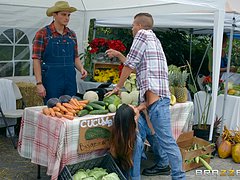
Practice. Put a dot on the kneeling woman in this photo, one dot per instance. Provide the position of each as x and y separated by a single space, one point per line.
126 144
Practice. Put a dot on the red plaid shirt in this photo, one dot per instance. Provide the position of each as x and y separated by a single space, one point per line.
40 41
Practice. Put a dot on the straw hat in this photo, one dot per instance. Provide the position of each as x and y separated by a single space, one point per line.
60 6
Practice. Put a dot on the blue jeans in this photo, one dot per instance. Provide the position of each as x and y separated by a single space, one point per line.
161 158
163 144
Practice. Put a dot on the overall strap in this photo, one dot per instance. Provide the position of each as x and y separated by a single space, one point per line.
48 37
49 33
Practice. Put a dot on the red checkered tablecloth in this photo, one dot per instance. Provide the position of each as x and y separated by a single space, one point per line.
53 142
50 141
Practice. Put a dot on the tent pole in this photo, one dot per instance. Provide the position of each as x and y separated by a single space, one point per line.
190 53
217 47
228 70
94 28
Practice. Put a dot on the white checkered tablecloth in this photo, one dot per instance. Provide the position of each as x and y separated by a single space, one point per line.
181 118
53 142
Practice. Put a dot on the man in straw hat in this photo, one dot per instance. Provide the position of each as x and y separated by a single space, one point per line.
55 55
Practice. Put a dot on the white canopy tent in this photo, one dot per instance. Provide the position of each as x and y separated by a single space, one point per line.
199 22
28 16
31 15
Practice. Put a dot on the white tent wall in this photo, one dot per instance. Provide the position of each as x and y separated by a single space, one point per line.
34 18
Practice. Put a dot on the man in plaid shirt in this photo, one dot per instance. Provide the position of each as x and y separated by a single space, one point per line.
55 55
146 56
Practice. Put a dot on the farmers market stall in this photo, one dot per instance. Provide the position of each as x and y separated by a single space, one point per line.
232 77
54 142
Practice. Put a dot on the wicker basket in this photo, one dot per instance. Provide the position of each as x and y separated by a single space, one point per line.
105 162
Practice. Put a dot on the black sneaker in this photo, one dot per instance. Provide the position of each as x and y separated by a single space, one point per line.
156 170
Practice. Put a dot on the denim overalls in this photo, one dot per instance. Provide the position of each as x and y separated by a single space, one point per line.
58 71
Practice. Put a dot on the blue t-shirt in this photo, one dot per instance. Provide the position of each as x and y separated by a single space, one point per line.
224 61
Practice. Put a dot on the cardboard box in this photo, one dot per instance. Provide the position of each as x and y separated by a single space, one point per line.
185 141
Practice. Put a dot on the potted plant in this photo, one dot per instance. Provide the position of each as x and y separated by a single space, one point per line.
202 128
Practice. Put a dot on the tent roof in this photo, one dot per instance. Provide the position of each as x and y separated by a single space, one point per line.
197 21
30 15
92 5
194 19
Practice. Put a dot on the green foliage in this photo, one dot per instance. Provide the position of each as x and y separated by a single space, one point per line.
236 53
199 46
175 45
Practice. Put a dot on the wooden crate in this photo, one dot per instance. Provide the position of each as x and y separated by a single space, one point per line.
185 141
102 65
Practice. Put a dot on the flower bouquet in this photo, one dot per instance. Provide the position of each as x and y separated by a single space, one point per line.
207 84
98 46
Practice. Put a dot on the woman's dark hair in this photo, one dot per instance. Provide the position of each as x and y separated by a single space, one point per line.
124 136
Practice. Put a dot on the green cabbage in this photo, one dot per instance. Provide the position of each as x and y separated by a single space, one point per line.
134 95
126 98
113 99
80 175
111 176
89 178
95 174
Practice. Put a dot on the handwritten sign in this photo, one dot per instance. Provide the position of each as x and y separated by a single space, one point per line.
95 134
